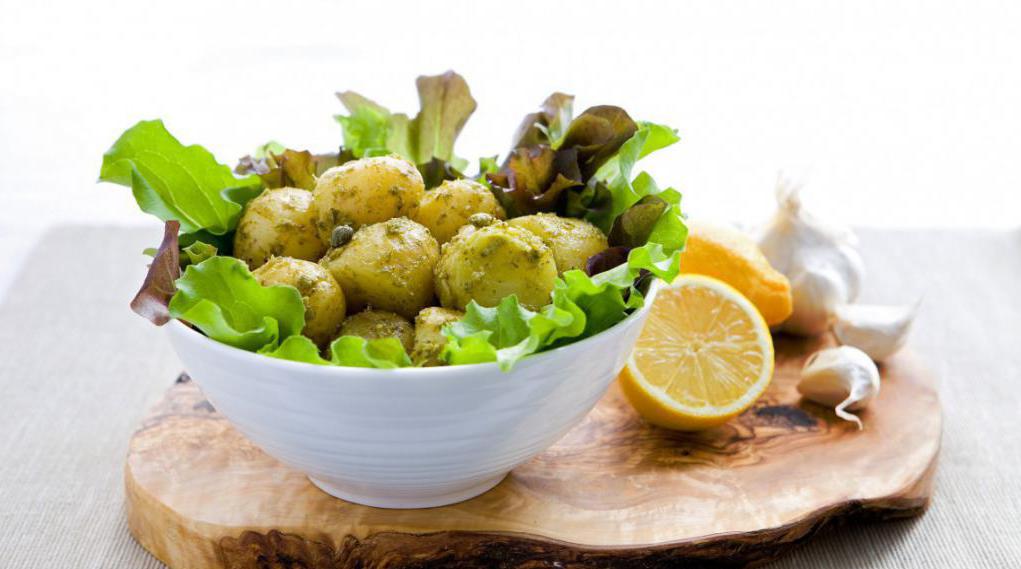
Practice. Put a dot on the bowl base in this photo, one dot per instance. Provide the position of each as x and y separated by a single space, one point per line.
407 502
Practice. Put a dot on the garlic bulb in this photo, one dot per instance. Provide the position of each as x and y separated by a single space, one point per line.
879 331
820 260
842 377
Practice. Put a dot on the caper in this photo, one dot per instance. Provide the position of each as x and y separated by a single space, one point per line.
341 235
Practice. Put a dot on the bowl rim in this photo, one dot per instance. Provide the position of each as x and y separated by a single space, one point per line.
178 328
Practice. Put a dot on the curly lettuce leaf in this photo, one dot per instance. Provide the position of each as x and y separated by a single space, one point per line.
385 353
152 299
221 297
655 218
196 253
367 128
172 181
295 349
582 306
351 351
508 332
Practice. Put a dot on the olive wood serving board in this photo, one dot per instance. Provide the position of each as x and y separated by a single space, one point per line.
614 492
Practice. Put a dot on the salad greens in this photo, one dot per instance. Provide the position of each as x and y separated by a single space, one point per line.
351 351
173 181
574 166
582 306
221 297
446 104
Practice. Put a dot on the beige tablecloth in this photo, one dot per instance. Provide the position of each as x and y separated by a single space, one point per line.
78 370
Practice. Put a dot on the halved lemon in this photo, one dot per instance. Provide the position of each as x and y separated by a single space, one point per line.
704 356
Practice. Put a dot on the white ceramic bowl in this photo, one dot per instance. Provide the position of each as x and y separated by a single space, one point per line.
412 437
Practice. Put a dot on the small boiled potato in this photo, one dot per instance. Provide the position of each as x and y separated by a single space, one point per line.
376 324
324 300
446 208
488 263
366 191
386 265
280 222
429 338
573 240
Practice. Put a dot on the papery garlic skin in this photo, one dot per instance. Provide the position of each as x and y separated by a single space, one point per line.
879 331
816 292
844 377
820 260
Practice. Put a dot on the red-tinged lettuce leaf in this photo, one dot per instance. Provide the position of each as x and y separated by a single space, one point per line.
158 287
616 172
533 179
547 125
221 297
286 169
606 259
633 227
596 135
536 178
436 171
172 181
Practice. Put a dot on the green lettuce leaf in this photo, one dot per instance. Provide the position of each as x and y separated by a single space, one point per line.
385 353
172 181
352 351
427 140
508 332
196 253
295 349
616 172
655 218
367 128
221 297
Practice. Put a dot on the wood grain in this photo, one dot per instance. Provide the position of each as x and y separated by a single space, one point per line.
614 492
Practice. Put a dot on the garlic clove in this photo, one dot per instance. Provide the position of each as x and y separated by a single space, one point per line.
816 291
879 331
843 377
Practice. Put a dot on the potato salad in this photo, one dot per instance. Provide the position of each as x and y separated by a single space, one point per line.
393 251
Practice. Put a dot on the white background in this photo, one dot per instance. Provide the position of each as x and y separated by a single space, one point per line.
896 114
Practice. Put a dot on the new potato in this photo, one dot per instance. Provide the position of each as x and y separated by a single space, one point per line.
361 192
388 266
447 207
376 324
488 263
279 222
429 338
573 240
325 306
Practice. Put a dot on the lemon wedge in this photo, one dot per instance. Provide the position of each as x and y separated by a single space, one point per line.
704 356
